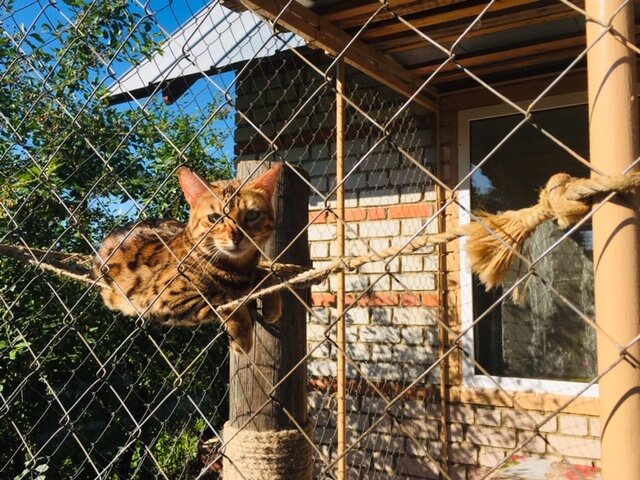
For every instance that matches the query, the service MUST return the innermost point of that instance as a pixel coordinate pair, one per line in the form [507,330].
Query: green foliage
[71,372]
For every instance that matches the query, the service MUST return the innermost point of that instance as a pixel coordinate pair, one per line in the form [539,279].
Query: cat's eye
[251,215]
[214,217]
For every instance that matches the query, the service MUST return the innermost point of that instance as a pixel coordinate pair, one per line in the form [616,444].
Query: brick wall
[393,306]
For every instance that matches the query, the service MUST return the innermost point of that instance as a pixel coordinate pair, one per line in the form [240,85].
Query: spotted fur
[176,273]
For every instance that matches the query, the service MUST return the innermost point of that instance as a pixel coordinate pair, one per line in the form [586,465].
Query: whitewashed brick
[359,351]
[356,283]
[384,196]
[357,316]
[415,316]
[462,414]
[320,315]
[323,151]
[411,226]
[319,184]
[356,180]
[594,426]
[410,372]
[574,446]
[411,194]
[574,425]
[316,332]
[378,179]
[381,315]
[382,371]
[413,335]
[533,445]
[494,437]
[322,351]
[379,244]
[490,457]
[380,283]
[413,354]
[320,168]
[352,333]
[527,421]
[354,247]
[381,267]
[321,232]
[381,353]
[379,334]
[297,154]
[319,249]
[488,416]
[430,263]
[430,195]
[413,281]
[379,228]
[419,467]
[321,368]
[411,263]
[463,452]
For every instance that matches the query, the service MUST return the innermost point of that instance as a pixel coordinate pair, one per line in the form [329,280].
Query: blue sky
[168,15]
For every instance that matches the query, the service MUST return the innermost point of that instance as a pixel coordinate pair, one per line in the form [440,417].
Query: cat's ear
[193,185]
[268,180]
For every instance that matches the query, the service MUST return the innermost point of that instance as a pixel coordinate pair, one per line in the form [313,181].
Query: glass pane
[540,337]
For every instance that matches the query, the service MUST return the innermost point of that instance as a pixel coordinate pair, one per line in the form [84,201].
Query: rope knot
[558,204]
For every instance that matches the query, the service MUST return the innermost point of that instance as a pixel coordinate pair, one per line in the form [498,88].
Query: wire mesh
[443,380]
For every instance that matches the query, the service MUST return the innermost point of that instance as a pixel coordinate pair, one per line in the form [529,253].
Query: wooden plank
[322,34]
[515,64]
[489,25]
[451,15]
[502,58]
[355,16]
[510,58]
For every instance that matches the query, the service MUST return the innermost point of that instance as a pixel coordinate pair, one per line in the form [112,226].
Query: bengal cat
[176,273]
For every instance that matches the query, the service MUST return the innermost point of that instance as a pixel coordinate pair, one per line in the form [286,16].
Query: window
[540,344]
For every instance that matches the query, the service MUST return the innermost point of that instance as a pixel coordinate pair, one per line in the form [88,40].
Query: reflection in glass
[541,336]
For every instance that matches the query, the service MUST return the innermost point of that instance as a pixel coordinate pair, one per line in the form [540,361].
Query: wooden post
[613,134]
[277,348]
[341,397]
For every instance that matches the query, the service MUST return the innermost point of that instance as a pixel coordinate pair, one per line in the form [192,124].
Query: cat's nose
[236,237]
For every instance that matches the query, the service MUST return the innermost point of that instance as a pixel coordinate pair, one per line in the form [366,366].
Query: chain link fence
[102,102]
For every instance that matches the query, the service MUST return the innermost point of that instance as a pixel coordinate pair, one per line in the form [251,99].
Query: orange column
[613,133]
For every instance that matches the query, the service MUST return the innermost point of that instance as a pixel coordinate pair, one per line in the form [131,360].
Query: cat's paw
[240,329]
[272,308]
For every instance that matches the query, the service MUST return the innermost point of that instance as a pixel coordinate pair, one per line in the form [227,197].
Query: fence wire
[102,102]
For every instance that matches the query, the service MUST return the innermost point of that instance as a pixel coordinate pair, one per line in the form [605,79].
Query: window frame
[469,376]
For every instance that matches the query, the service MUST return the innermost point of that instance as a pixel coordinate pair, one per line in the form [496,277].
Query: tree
[81,386]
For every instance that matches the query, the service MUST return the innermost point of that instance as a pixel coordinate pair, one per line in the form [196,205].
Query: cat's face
[229,221]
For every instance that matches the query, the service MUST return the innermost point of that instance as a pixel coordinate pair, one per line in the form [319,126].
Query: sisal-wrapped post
[262,442]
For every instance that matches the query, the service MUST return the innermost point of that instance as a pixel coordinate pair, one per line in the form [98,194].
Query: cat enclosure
[399,124]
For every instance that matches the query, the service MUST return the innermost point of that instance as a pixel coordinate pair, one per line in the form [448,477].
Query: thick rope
[270,455]
[494,241]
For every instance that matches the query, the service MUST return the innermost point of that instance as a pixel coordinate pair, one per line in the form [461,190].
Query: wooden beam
[450,15]
[489,25]
[320,33]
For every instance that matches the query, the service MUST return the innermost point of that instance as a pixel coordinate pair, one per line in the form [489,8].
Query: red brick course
[359,214]
[378,299]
